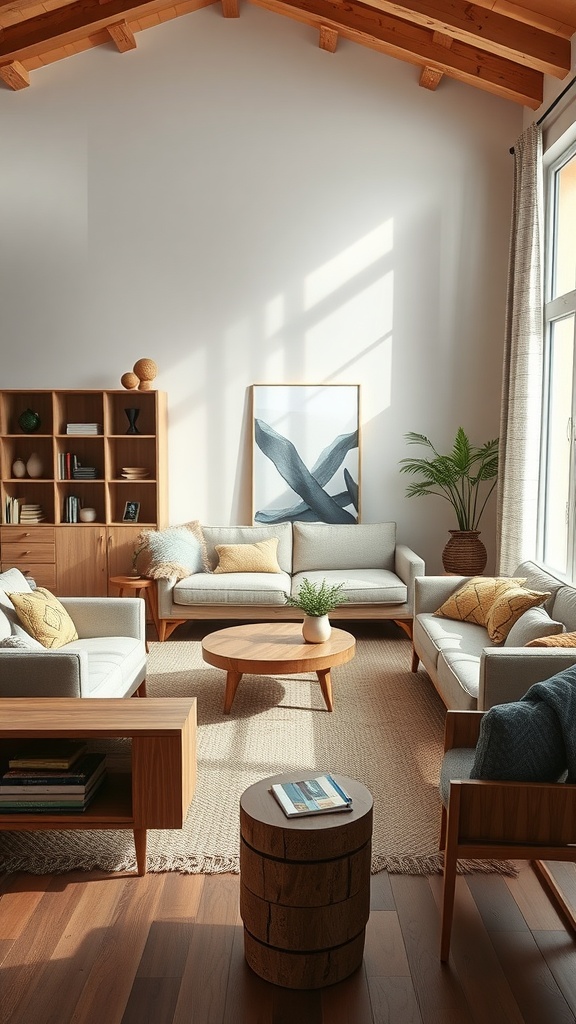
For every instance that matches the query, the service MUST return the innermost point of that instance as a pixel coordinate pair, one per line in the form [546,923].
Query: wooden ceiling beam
[122,36]
[68,24]
[415,45]
[478,26]
[15,75]
[230,8]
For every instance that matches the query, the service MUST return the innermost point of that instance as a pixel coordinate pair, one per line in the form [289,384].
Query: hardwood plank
[439,993]
[249,999]
[495,903]
[290,1005]
[152,1000]
[559,952]
[381,897]
[535,990]
[19,902]
[348,1002]
[384,952]
[170,934]
[535,906]
[394,1001]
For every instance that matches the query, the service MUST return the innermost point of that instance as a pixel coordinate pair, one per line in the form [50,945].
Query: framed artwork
[131,512]
[306,458]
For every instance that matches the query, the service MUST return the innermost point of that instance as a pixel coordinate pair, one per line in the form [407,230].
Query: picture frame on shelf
[131,512]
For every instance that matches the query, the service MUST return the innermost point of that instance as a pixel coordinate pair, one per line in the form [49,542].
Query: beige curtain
[520,423]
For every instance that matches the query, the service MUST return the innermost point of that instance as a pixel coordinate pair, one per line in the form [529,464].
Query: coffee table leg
[232,680]
[326,686]
[140,844]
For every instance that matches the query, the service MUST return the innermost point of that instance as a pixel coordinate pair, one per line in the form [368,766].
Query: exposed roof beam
[328,39]
[122,35]
[415,45]
[75,21]
[15,75]
[494,32]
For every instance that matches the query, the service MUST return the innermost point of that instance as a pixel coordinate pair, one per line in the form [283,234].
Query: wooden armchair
[500,821]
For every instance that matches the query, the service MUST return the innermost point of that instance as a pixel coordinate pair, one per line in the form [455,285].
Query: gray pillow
[532,624]
[520,742]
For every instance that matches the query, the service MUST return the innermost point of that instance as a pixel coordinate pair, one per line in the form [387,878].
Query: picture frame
[306,453]
[131,512]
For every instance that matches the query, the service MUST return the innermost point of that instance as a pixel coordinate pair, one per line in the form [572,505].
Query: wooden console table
[159,787]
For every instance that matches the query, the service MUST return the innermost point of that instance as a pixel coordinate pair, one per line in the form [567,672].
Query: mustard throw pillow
[44,617]
[508,606]
[258,557]
[472,601]
[559,640]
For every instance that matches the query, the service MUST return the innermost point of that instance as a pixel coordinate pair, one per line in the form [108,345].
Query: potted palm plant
[316,601]
[465,477]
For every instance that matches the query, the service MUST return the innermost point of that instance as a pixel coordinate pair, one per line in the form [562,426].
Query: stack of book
[72,506]
[318,794]
[31,513]
[51,778]
[83,428]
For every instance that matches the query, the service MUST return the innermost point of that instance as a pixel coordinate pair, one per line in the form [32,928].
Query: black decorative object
[28,421]
[132,415]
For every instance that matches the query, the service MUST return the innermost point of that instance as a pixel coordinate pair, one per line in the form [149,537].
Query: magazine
[320,794]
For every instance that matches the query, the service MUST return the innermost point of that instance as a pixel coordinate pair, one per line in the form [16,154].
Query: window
[557,519]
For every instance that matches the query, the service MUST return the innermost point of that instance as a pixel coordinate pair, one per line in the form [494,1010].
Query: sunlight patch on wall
[348,264]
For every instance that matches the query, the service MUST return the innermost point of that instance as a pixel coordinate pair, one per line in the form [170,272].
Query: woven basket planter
[464,554]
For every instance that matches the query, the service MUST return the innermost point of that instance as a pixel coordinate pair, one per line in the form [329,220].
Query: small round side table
[139,586]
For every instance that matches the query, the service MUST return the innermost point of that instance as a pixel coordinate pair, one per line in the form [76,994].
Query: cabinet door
[121,541]
[81,561]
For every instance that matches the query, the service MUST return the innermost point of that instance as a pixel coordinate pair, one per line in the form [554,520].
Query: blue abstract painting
[306,463]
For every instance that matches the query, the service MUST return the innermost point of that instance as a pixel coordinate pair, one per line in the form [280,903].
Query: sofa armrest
[462,728]
[506,673]
[43,673]
[107,616]
[408,565]
[431,591]
[164,590]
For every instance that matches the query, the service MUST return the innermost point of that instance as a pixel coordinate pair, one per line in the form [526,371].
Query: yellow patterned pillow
[508,606]
[558,640]
[44,617]
[472,602]
[258,557]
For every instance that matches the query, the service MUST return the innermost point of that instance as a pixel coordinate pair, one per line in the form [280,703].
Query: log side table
[304,886]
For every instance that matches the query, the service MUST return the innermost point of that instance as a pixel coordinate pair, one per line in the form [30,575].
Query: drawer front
[26,552]
[27,535]
[43,575]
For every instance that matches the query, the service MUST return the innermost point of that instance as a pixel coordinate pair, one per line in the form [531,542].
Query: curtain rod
[552,105]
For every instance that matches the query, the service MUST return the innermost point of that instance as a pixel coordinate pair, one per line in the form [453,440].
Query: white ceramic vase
[316,629]
[18,468]
[35,466]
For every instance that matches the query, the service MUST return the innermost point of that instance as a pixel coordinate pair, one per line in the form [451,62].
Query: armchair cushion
[520,742]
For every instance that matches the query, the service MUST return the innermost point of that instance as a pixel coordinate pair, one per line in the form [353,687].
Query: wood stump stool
[304,886]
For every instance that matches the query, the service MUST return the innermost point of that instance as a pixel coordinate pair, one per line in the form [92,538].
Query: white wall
[245,208]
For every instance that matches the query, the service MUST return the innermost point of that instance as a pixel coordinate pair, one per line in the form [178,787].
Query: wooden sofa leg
[141,691]
[415,661]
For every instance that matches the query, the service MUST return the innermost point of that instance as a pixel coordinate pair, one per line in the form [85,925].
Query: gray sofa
[378,575]
[107,660]
[467,669]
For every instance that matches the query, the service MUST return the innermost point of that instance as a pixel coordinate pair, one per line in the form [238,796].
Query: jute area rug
[386,730]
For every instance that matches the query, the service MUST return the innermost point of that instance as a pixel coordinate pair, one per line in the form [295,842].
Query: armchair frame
[503,820]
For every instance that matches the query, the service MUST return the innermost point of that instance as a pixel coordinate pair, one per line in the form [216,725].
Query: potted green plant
[316,601]
[465,477]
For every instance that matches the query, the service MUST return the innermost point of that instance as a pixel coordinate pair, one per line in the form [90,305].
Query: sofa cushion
[116,664]
[11,581]
[520,742]
[459,676]
[473,601]
[439,635]
[533,624]
[257,557]
[564,607]
[250,535]
[538,578]
[44,617]
[237,588]
[509,605]
[338,546]
[177,551]
[556,640]
[361,586]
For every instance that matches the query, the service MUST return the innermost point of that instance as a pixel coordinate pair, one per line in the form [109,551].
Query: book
[78,779]
[320,794]
[49,806]
[48,754]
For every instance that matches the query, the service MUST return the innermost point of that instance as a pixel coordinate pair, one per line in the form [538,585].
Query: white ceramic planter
[316,629]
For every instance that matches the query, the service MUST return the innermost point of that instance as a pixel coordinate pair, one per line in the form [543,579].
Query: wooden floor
[89,948]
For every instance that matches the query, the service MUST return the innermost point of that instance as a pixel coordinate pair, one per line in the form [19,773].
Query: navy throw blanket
[559,693]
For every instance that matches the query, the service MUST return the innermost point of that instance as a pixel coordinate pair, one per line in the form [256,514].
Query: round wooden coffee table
[275,648]
[304,886]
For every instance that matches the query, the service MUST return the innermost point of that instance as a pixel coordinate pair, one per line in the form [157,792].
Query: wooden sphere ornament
[129,381]
[145,370]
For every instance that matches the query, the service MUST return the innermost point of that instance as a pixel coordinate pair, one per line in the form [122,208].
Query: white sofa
[107,660]
[378,575]
[467,669]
